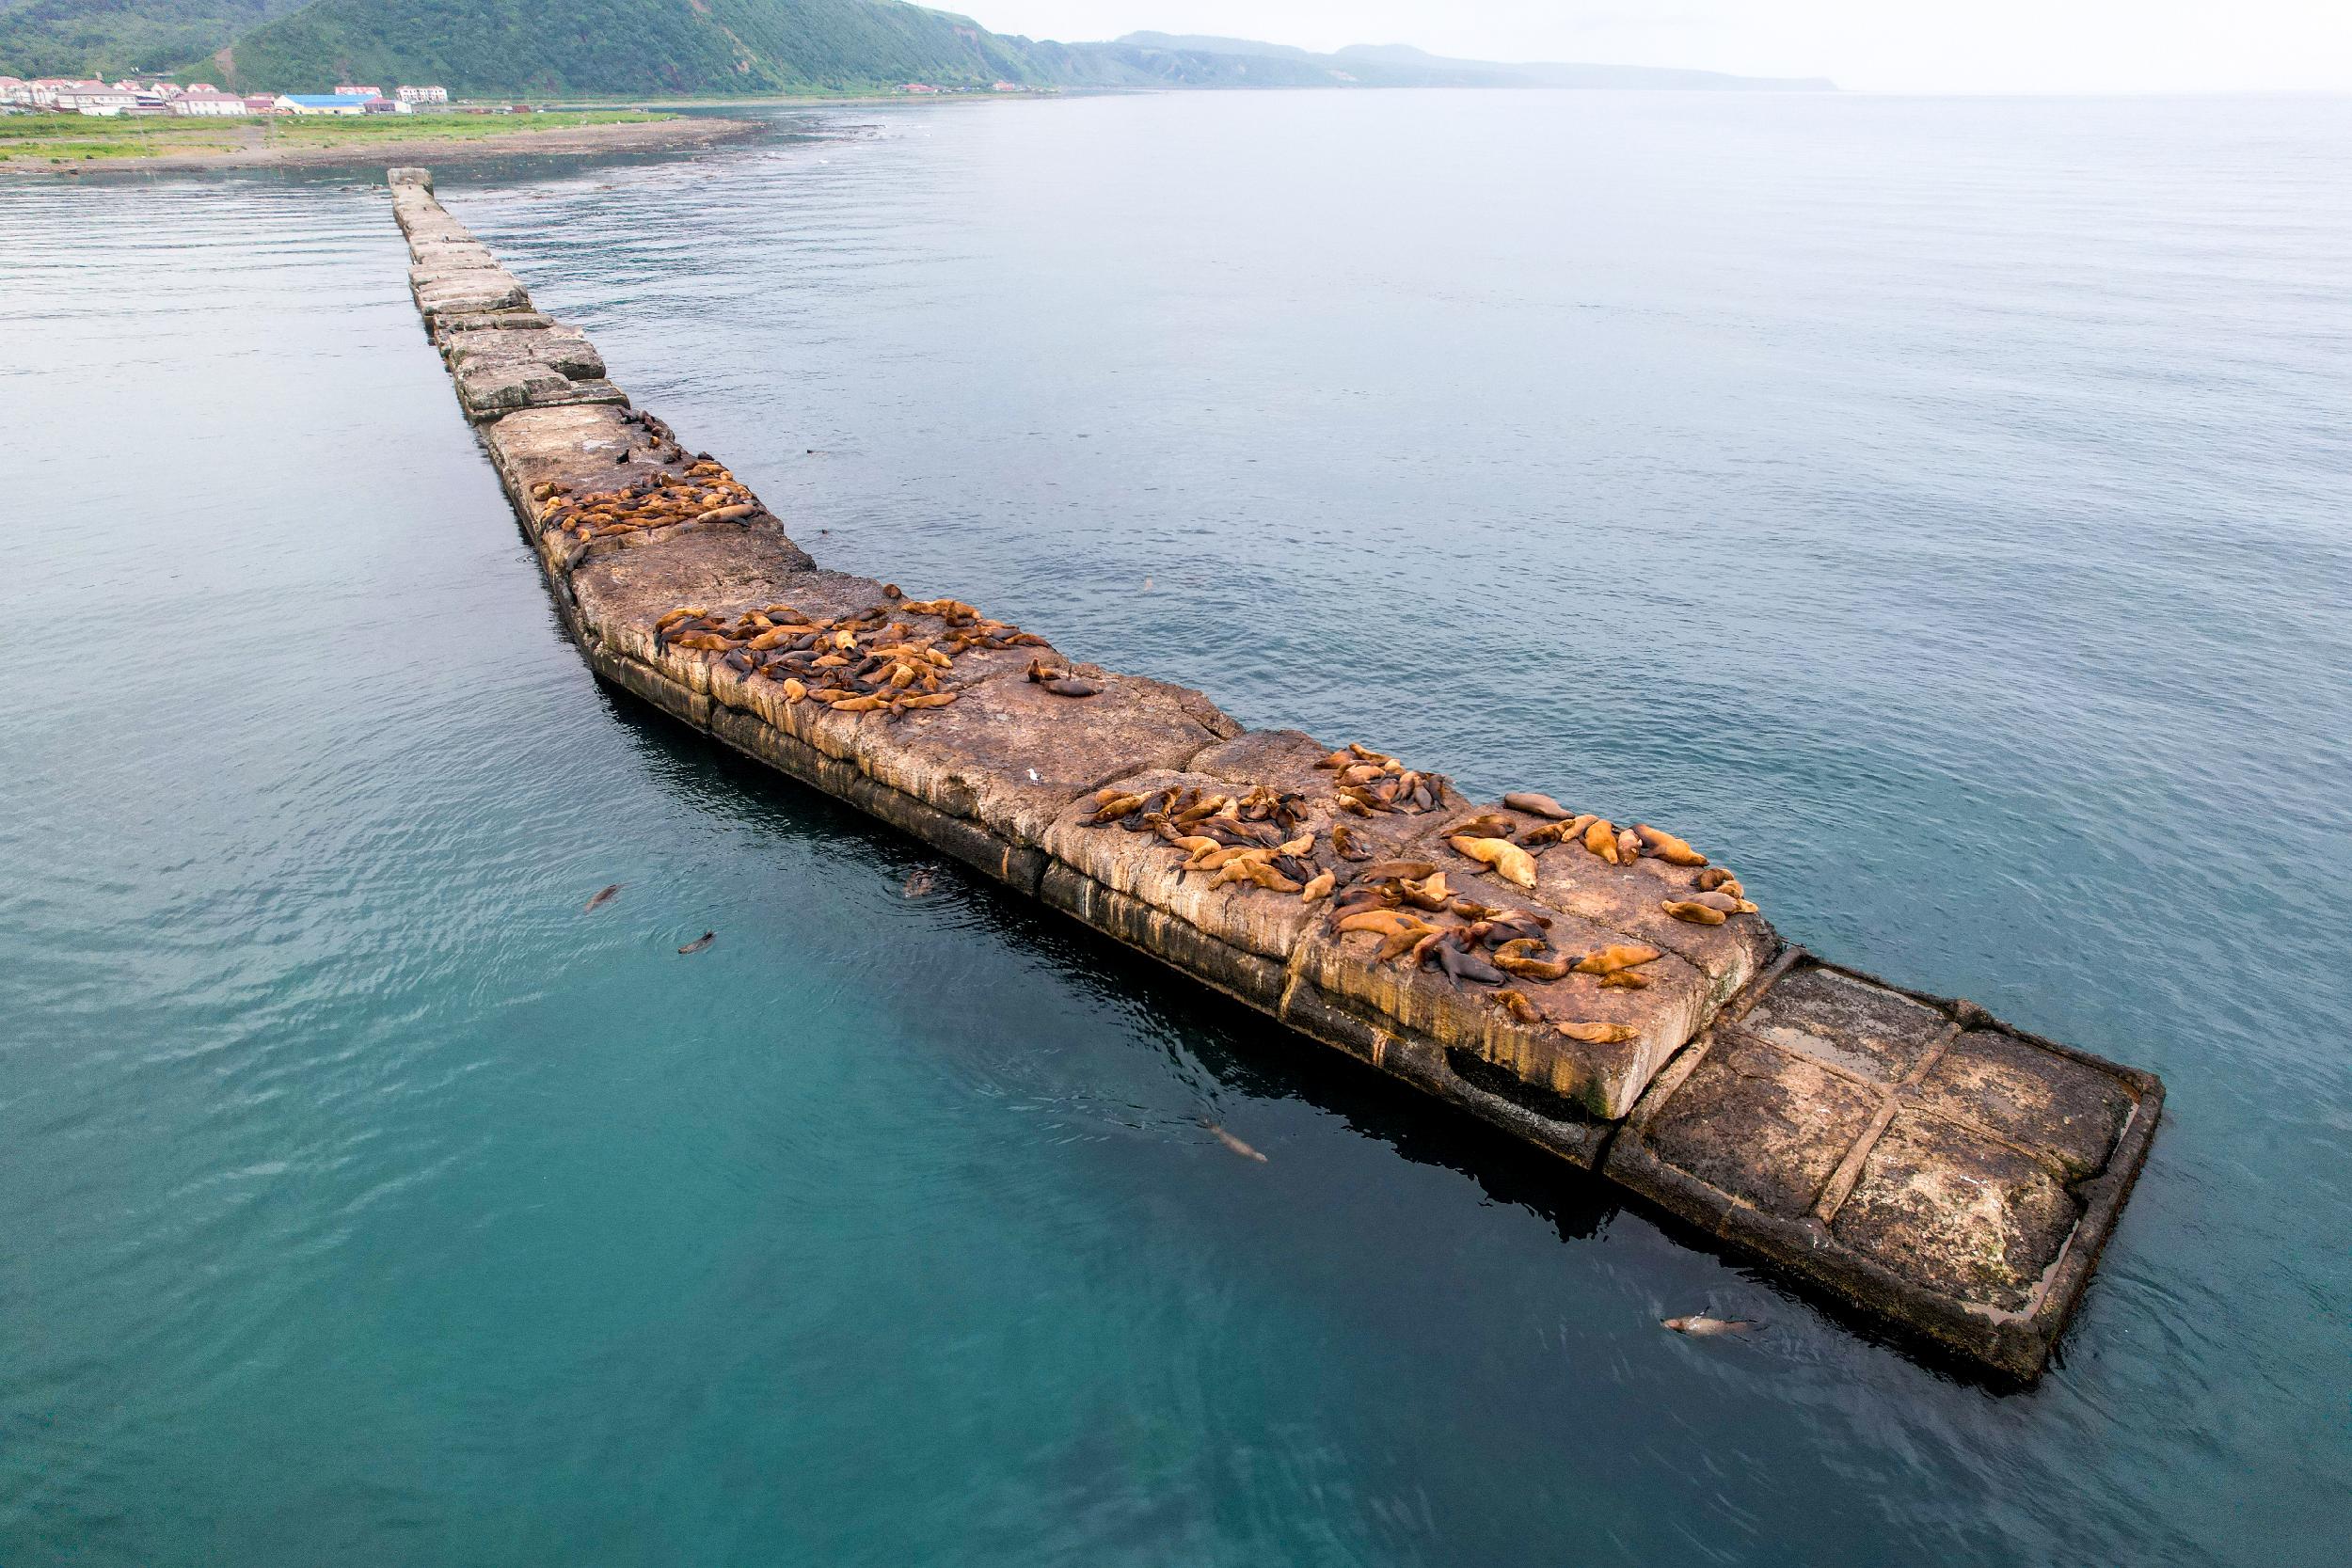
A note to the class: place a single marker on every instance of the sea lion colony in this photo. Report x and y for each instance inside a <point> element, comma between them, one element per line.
<point>1262,839</point>
<point>702,492</point>
<point>872,660</point>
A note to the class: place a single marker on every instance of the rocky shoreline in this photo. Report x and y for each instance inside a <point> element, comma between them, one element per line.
<point>684,132</point>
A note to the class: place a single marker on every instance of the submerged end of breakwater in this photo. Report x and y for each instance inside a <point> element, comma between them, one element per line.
<point>1603,992</point>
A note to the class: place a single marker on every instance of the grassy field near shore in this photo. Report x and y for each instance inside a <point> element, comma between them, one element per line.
<point>69,139</point>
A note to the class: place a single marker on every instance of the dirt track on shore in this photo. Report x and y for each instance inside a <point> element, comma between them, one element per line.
<point>575,142</point>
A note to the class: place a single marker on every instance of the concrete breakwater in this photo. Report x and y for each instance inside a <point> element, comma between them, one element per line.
<point>1596,989</point>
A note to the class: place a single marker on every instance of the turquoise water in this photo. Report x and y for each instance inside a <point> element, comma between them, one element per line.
<point>1938,506</point>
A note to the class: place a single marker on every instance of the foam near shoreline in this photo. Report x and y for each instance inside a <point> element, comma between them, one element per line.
<point>1592,991</point>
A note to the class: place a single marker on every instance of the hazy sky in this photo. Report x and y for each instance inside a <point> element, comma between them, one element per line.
<point>1885,46</point>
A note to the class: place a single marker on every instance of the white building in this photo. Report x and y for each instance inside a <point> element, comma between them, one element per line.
<point>322,103</point>
<point>95,98</point>
<point>207,104</point>
<point>15,91</point>
<point>423,95</point>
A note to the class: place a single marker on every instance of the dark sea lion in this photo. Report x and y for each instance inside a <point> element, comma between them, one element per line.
<point>700,943</point>
<point>1382,871</point>
<point>604,895</point>
<point>1464,964</point>
<point>1715,876</point>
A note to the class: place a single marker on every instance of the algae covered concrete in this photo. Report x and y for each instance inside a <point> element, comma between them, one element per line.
<point>1607,996</point>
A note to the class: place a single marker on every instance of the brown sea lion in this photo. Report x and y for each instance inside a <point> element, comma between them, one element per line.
<point>1516,1004</point>
<point>1598,1034</point>
<point>1667,848</point>
<point>1697,914</point>
<point>1510,863</point>
<point>1618,956</point>
<point>1718,899</point>
<point>1317,889</point>
<point>1385,922</point>
<point>700,943</point>
<point>1486,825</point>
<point>1601,839</point>
<point>1532,968</point>
<point>604,895</point>
<point>1381,871</point>
<point>1625,979</point>
<point>1699,1325</point>
<point>1536,805</point>
<point>1715,876</point>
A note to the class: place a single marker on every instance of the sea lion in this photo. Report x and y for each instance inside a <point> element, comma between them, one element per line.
<point>1072,687</point>
<point>1598,1034</point>
<point>1386,922</point>
<point>1382,871</point>
<point>1535,805</point>
<point>918,883</point>
<point>1628,847</point>
<point>700,943</point>
<point>1715,876</point>
<point>1232,1143</point>
<point>1601,839</point>
<point>1667,848</point>
<point>1618,956</point>
<point>604,895</point>
<point>1427,894</point>
<point>1318,889</point>
<point>1516,1004</point>
<point>1486,825</point>
<point>1464,964</point>
<point>1625,979</point>
<point>1699,1325</point>
<point>1532,968</point>
<point>1718,899</point>
<point>1510,863</point>
<point>1697,914</point>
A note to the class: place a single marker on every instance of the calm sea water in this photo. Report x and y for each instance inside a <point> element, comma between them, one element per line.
<point>1940,507</point>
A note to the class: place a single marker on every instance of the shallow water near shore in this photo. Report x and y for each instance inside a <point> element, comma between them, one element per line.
<point>1936,508</point>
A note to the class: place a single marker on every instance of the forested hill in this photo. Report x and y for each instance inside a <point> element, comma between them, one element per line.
<point>82,38</point>
<point>482,47</point>
<point>641,48</point>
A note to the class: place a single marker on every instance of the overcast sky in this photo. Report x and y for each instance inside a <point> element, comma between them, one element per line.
<point>1881,45</point>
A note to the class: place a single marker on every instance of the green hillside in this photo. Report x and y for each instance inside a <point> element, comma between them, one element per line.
<point>494,48</point>
<point>485,47</point>
<point>114,37</point>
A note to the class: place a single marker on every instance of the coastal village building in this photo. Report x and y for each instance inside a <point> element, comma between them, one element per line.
<point>204,104</point>
<point>94,97</point>
<point>348,89</point>
<point>322,103</point>
<point>13,90</point>
<point>260,104</point>
<point>423,95</point>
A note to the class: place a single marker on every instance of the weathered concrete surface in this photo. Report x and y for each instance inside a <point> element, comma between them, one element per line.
<point>1911,1156</point>
<point>1907,1152</point>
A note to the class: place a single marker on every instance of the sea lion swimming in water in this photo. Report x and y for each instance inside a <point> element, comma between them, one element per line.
<point>604,895</point>
<point>1232,1143</point>
<point>700,943</point>
<point>1699,1325</point>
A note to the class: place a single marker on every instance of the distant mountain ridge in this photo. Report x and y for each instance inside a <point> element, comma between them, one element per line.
<point>481,48</point>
